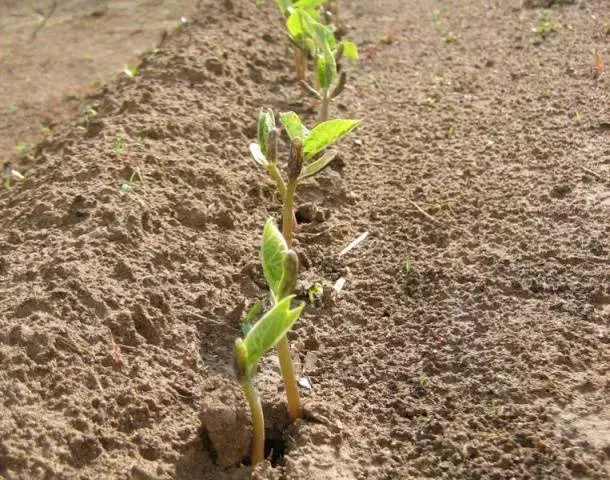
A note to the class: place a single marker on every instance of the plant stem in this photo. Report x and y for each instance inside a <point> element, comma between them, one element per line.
<point>290,379</point>
<point>258,421</point>
<point>275,174</point>
<point>287,213</point>
<point>324,107</point>
<point>283,348</point>
<point>300,64</point>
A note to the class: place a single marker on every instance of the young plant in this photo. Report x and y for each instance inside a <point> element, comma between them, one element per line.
<point>126,186</point>
<point>327,53</point>
<point>296,13</point>
<point>307,157</point>
<point>545,27</point>
<point>280,267</point>
<point>10,174</point>
<point>312,38</point>
<point>597,67</point>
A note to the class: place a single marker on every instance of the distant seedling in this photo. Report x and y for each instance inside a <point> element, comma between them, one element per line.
<point>545,27</point>
<point>450,37</point>
<point>311,38</point>
<point>9,174</point>
<point>131,71</point>
<point>126,186</point>
<point>21,148</point>
<point>319,41</point>
<point>597,67</point>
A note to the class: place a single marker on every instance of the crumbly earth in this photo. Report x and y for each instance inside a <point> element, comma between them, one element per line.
<point>53,52</point>
<point>471,339</point>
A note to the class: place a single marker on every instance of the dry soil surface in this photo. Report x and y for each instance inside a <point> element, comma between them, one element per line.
<point>471,339</point>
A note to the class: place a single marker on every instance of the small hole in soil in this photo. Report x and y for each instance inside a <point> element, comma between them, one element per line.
<point>275,448</point>
<point>303,215</point>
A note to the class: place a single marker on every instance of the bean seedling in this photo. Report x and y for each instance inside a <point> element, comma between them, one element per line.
<point>312,37</point>
<point>280,267</point>
<point>307,157</point>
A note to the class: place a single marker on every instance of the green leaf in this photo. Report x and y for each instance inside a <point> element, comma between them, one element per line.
<point>273,252</point>
<point>327,133</point>
<point>266,123</point>
<point>350,50</point>
<point>293,126</point>
<point>322,34</point>
<point>326,67</point>
<point>270,329</point>
<point>251,315</point>
<point>297,24</point>
<point>258,156</point>
<point>315,291</point>
<point>314,167</point>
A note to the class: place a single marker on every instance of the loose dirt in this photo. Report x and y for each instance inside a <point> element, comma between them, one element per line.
<point>483,163</point>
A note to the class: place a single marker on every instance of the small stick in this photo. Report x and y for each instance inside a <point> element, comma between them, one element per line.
<point>591,172</point>
<point>424,213</point>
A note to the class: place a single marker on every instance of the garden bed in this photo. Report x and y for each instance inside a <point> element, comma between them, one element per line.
<point>470,340</point>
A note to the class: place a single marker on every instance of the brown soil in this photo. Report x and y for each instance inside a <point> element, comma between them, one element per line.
<point>52,52</point>
<point>484,160</point>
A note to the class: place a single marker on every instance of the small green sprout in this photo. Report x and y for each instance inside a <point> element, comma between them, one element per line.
<point>315,291</point>
<point>117,148</point>
<point>429,101</point>
<point>450,37</point>
<point>21,148</point>
<point>577,116</point>
<point>545,27</point>
<point>127,186</point>
<point>451,131</point>
<point>130,71</point>
<point>494,407</point>
<point>308,155</point>
<point>424,381</point>
<point>10,174</point>
<point>280,266</point>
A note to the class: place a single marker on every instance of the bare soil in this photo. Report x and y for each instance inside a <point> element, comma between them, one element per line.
<point>483,159</point>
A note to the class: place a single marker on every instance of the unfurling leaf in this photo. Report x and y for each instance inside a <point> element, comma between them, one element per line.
<point>269,330</point>
<point>266,123</point>
<point>314,167</point>
<point>326,67</point>
<point>273,252</point>
<point>350,50</point>
<point>293,126</point>
<point>325,134</point>
<point>258,156</point>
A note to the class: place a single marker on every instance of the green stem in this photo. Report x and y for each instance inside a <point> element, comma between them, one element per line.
<point>324,107</point>
<point>290,379</point>
<point>287,213</point>
<point>283,348</point>
<point>275,174</point>
<point>258,421</point>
